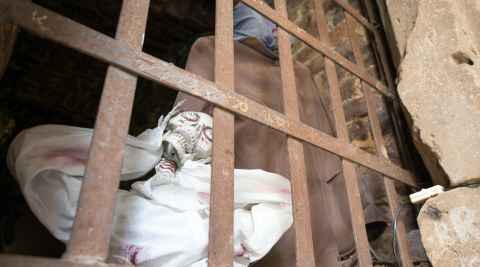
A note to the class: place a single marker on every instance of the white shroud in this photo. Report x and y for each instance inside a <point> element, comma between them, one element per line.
<point>158,222</point>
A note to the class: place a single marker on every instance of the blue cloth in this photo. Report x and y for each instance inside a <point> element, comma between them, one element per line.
<point>249,23</point>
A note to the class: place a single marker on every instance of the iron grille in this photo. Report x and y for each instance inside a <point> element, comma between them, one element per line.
<point>91,232</point>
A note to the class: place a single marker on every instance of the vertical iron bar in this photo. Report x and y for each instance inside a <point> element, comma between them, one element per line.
<point>220,249</point>
<point>380,46</point>
<point>392,195</point>
<point>381,50</point>
<point>351,179</point>
<point>94,217</point>
<point>304,250</point>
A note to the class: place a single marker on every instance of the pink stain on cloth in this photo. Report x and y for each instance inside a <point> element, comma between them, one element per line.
<point>159,222</point>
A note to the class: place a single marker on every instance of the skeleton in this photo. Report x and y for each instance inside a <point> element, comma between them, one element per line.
<point>188,136</point>
<point>172,207</point>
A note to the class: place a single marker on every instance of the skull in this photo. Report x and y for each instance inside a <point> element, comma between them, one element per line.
<point>188,136</point>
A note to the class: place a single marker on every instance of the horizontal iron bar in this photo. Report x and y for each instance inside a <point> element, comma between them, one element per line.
<point>356,15</point>
<point>315,43</point>
<point>79,37</point>
<point>9,260</point>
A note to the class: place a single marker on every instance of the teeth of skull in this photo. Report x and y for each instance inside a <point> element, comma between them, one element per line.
<point>166,168</point>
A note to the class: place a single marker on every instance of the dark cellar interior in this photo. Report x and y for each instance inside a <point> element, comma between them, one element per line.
<point>47,83</point>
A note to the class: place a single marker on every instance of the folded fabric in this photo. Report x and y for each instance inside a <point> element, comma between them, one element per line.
<point>248,23</point>
<point>160,221</point>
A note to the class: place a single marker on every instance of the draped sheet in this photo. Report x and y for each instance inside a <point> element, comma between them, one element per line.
<point>158,222</point>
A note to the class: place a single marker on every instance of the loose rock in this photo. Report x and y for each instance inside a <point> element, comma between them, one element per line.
<point>450,227</point>
<point>440,88</point>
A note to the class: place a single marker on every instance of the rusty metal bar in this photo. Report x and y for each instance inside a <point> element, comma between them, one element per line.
<point>9,260</point>
<point>90,236</point>
<point>392,195</point>
<point>356,15</point>
<point>381,49</point>
<point>320,46</point>
<point>220,248</point>
<point>102,47</point>
<point>388,73</point>
<point>304,250</point>
<point>352,186</point>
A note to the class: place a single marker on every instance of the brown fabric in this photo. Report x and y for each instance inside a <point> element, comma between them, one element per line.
<point>257,146</point>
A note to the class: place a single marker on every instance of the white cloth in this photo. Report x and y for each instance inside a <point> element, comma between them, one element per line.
<point>158,222</point>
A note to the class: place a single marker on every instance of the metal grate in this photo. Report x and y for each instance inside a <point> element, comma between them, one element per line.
<point>91,232</point>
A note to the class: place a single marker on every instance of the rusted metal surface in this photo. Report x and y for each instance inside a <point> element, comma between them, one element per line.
<point>351,184</point>
<point>318,45</point>
<point>102,47</point>
<point>304,250</point>
<point>392,195</point>
<point>89,241</point>
<point>355,14</point>
<point>399,125</point>
<point>220,248</point>
<point>7,260</point>
<point>381,49</point>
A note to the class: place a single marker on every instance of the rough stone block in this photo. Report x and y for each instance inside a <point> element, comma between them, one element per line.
<point>450,228</point>
<point>440,88</point>
<point>403,14</point>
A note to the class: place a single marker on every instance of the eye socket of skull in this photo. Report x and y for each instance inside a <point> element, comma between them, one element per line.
<point>171,153</point>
